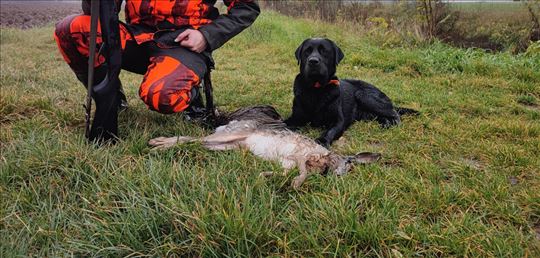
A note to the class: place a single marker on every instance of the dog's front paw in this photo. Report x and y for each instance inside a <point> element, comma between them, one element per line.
<point>387,122</point>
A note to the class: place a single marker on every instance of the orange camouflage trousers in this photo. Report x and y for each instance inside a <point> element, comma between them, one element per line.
<point>169,73</point>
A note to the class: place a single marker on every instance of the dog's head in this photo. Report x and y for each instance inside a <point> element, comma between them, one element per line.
<point>318,58</point>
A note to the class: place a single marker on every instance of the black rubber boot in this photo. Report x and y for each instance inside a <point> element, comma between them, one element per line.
<point>196,109</point>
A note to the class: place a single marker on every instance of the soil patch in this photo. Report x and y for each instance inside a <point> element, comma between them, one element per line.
<point>29,14</point>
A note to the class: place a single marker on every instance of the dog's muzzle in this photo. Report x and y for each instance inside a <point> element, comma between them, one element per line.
<point>314,61</point>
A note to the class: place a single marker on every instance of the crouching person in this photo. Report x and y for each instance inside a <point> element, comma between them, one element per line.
<point>170,42</point>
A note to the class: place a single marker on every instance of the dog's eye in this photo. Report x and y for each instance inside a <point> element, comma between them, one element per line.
<point>322,50</point>
<point>308,50</point>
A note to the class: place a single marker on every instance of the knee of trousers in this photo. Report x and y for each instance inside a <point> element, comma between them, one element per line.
<point>77,23</point>
<point>167,101</point>
<point>71,37</point>
<point>168,91</point>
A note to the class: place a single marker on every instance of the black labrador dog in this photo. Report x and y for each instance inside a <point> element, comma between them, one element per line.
<point>323,100</point>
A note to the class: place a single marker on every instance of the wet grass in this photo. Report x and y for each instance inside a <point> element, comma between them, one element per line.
<point>462,179</point>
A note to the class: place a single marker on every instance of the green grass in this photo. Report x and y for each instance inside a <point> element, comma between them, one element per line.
<point>462,179</point>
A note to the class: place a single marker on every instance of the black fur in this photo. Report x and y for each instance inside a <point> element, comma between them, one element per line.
<point>334,107</point>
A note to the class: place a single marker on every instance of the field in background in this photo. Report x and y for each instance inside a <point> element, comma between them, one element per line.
<point>508,26</point>
<point>28,14</point>
<point>462,179</point>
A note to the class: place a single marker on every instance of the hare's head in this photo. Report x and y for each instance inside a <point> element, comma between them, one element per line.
<point>341,165</point>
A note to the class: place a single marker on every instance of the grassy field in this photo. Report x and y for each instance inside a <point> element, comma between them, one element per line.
<point>494,26</point>
<point>462,179</point>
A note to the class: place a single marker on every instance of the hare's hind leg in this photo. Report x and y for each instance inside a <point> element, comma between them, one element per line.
<point>167,142</point>
<point>225,141</point>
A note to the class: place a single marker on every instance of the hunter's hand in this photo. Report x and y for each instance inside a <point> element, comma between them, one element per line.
<point>192,40</point>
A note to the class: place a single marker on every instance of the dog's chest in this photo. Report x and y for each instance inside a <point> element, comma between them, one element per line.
<point>320,107</point>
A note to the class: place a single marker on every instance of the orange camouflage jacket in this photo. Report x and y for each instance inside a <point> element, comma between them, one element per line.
<point>161,20</point>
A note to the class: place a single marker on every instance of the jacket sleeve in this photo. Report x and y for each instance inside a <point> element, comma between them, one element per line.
<point>241,14</point>
<point>86,6</point>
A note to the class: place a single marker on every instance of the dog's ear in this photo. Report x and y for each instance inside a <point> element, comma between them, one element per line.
<point>299,51</point>
<point>337,52</point>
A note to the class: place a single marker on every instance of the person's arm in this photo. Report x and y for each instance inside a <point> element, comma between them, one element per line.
<point>241,14</point>
<point>86,6</point>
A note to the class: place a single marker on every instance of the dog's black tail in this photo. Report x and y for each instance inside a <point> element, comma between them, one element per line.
<point>407,111</point>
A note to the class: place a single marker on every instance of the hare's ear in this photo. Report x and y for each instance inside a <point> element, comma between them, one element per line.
<point>365,157</point>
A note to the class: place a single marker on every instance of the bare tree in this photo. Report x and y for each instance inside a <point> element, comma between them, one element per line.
<point>437,17</point>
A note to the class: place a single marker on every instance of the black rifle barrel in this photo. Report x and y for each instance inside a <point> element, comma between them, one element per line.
<point>209,93</point>
<point>94,9</point>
